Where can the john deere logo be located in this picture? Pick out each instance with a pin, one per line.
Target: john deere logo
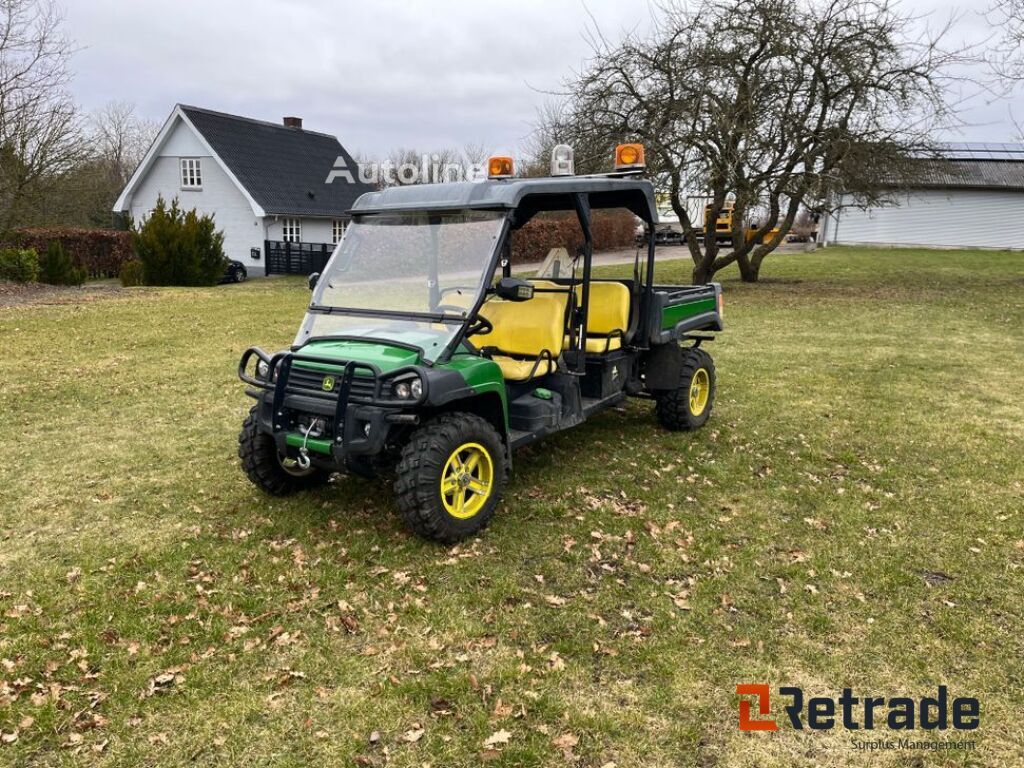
(328, 384)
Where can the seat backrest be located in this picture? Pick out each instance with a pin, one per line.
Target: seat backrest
(609, 307)
(525, 327)
(560, 293)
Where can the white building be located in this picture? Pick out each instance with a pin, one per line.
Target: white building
(265, 184)
(974, 200)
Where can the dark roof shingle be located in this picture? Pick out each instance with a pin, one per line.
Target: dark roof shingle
(284, 169)
(967, 165)
(971, 174)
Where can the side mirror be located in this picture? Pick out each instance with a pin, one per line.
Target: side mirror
(514, 289)
(313, 278)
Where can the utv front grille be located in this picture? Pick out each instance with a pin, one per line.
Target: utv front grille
(310, 383)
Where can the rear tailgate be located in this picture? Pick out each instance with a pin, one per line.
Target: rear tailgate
(681, 309)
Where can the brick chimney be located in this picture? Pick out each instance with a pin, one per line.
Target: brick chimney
(292, 122)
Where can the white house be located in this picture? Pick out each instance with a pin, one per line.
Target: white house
(975, 199)
(269, 186)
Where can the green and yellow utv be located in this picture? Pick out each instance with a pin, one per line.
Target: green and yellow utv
(422, 353)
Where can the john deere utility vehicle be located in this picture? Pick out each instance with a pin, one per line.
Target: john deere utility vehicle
(421, 352)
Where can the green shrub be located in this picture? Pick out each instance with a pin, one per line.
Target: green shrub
(57, 268)
(131, 273)
(19, 264)
(178, 247)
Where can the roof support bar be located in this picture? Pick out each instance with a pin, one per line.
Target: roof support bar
(578, 331)
(647, 296)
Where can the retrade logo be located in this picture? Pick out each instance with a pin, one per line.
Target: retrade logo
(853, 713)
(747, 723)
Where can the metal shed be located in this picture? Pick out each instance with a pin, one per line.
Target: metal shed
(974, 199)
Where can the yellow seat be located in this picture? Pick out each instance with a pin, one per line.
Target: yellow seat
(607, 318)
(526, 334)
(597, 345)
(560, 293)
(521, 370)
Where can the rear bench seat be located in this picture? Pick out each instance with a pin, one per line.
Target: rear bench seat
(527, 335)
(608, 318)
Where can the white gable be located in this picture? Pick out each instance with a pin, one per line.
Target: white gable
(182, 142)
(179, 138)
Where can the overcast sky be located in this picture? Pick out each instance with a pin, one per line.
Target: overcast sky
(380, 74)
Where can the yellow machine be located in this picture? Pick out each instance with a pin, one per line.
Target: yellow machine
(752, 233)
(723, 224)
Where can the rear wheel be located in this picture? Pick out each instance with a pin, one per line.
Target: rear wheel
(689, 405)
(450, 477)
(267, 469)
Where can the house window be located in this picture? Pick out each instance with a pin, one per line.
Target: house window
(337, 231)
(291, 230)
(191, 173)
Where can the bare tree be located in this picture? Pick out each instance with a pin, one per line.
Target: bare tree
(116, 140)
(769, 105)
(40, 130)
(120, 139)
(474, 154)
(1007, 57)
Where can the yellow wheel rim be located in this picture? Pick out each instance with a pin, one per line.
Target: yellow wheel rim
(467, 480)
(700, 390)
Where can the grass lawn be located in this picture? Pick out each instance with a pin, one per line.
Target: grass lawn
(851, 516)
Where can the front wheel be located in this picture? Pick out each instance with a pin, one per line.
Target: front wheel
(450, 477)
(269, 470)
(688, 406)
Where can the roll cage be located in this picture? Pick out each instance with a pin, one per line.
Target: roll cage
(522, 199)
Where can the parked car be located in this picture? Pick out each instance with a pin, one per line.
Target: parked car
(235, 273)
(668, 230)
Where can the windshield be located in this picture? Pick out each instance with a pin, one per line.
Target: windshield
(428, 269)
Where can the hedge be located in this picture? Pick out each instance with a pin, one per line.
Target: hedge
(611, 230)
(99, 252)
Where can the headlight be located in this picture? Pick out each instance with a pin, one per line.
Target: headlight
(410, 387)
(264, 372)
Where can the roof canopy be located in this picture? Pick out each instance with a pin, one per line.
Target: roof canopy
(528, 195)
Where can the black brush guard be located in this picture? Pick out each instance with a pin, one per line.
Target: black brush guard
(348, 433)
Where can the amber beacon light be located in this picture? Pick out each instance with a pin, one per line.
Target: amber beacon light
(499, 167)
(629, 157)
